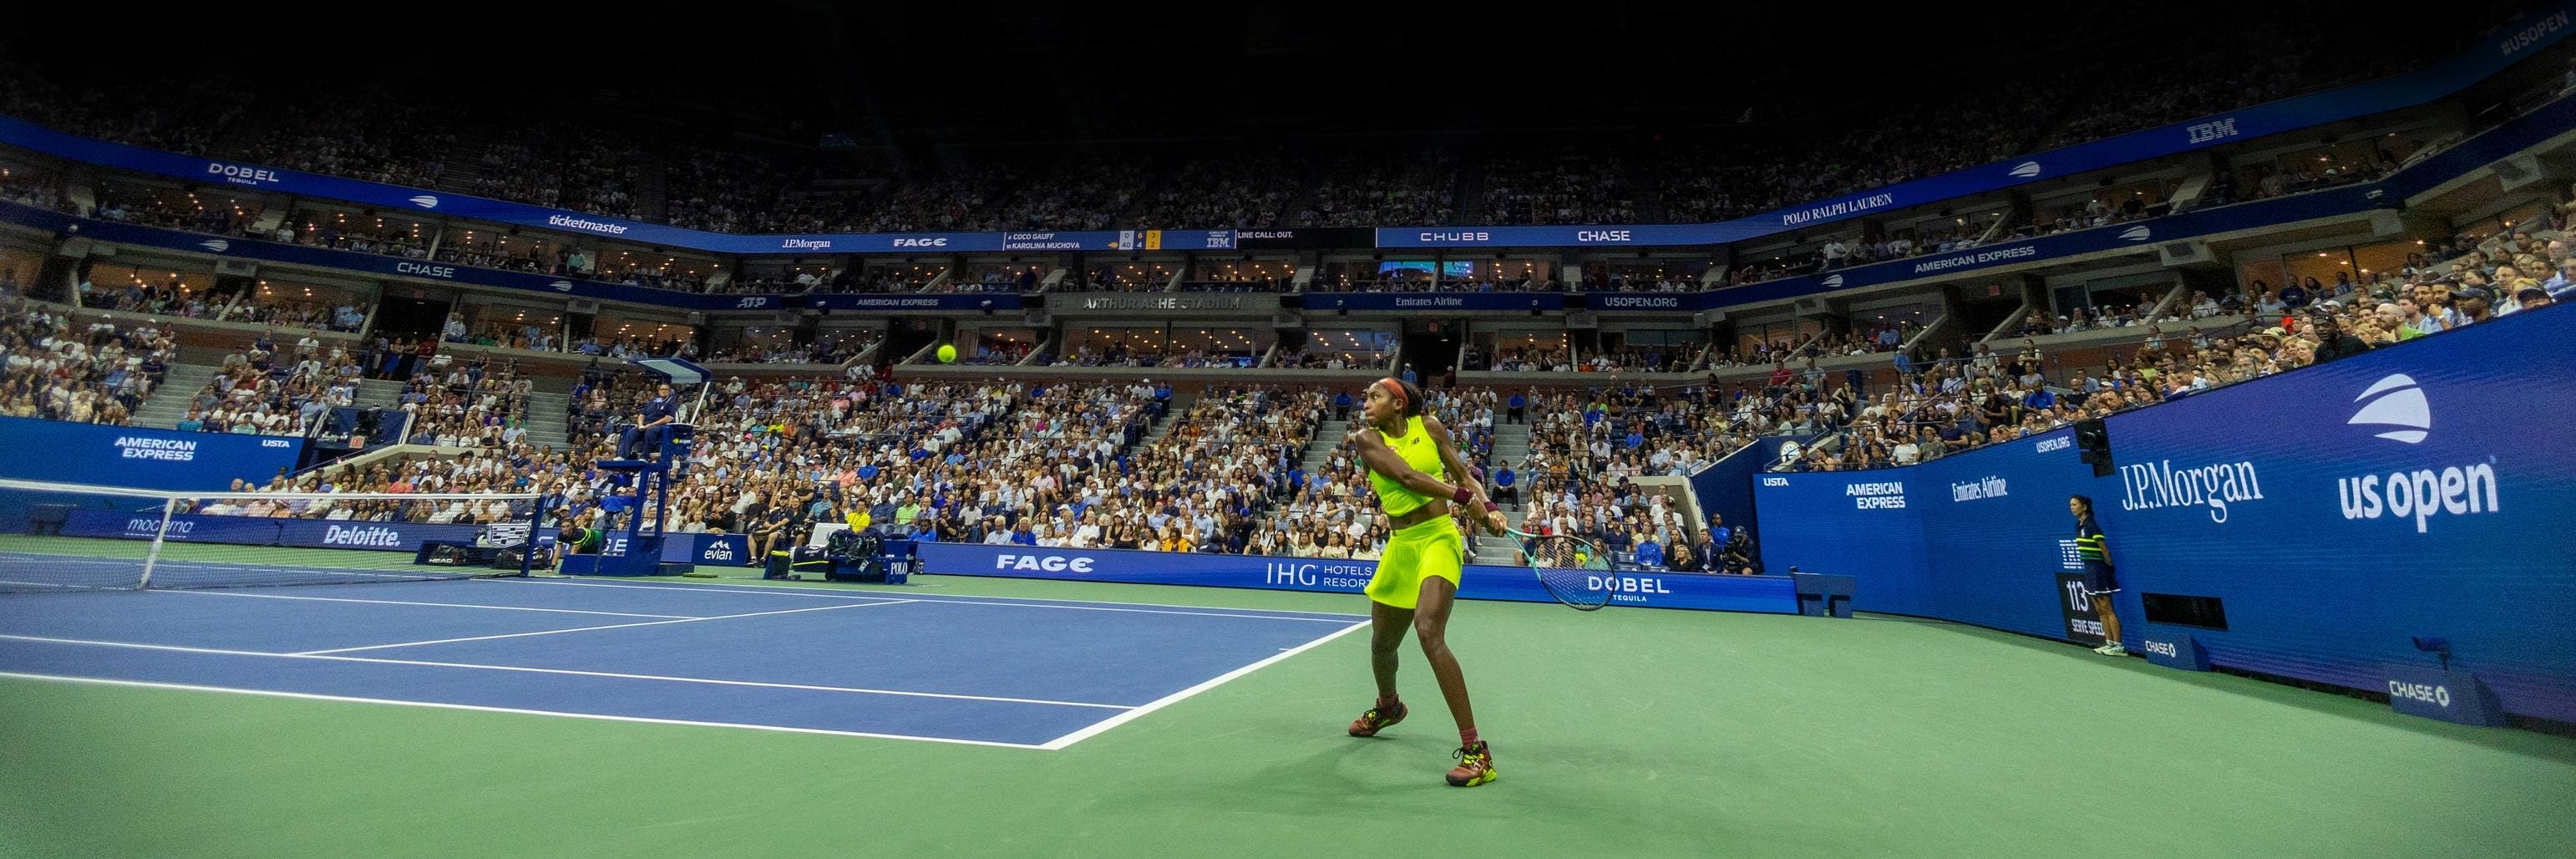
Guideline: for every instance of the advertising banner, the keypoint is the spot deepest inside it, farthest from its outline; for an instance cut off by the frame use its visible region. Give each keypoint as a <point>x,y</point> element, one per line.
<point>2341,511</point>
<point>139,458</point>
<point>2314,524</point>
<point>1772,594</point>
<point>1326,302</point>
<point>265,531</point>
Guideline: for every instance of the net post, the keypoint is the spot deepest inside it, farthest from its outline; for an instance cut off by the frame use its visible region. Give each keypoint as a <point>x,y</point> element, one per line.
<point>168,506</point>
<point>536,525</point>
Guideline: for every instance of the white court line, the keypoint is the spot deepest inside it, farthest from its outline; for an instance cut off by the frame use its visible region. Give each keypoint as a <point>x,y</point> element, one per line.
<point>808,687</point>
<point>209,593</point>
<point>64,586</point>
<point>267,693</point>
<point>1159,703</point>
<point>591,628</point>
<point>823,594</point>
<point>217,566</point>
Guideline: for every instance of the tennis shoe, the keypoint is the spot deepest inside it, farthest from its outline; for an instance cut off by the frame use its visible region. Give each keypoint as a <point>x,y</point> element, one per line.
<point>1377,719</point>
<point>2113,649</point>
<point>1475,766</point>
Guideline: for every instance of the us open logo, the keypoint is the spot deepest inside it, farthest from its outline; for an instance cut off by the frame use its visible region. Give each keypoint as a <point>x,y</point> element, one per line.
<point>2395,401</point>
<point>2025,170</point>
<point>425,201</point>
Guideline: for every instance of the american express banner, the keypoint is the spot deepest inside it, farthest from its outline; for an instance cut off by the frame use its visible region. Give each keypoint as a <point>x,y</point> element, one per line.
<point>1642,589</point>
<point>139,458</point>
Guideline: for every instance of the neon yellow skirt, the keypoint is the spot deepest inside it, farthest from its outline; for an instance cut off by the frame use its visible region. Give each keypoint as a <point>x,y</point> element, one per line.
<point>1425,550</point>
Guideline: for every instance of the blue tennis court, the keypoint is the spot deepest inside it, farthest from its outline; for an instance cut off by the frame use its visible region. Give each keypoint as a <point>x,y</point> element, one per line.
<point>1012,672</point>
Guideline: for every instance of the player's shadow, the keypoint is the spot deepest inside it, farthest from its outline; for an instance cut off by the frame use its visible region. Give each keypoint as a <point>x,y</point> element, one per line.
<point>1373,776</point>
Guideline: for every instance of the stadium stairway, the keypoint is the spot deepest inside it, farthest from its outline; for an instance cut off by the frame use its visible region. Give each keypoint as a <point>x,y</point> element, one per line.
<point>1498,551</point>
<point>1511,447</point>
<point>1328,437</point>
<point>546,419</point>
<point>379,393</point>
<point>168,404</point>
<point>1179,407</point>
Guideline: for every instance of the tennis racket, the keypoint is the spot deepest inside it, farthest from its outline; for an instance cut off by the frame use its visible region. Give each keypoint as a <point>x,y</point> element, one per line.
<point>1569,567</point>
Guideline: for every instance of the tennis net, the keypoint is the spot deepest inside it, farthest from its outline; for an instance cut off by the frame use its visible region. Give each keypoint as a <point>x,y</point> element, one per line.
<point>84,537</point>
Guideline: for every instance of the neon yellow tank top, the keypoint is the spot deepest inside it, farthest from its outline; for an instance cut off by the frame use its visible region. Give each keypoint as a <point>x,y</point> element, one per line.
<point>1418,450</point>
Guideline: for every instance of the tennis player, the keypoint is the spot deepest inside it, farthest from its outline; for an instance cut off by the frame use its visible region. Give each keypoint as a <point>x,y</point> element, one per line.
<point>2099,579</point>
<point>1409,457</point>
<point>577,540</point>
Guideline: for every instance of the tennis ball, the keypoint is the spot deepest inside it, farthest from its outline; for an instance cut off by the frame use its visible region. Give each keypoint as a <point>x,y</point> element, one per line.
<point>947,353</point>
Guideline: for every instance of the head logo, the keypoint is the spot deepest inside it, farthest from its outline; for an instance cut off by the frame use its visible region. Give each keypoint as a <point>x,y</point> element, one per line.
<point>2399,405</point>
<point>1833,281</point>
<point>216,245</point>
<point>425,201</point>
<point>2025,170</point>
<point>561,285</point>
<point>2137,233</point>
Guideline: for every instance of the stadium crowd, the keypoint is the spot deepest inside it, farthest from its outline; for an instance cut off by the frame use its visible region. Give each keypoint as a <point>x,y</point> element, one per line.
<point>1946,405</point>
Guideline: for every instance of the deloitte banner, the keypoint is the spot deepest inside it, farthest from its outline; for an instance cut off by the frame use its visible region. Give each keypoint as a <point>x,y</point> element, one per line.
<point>1771,594</point>
<point>138,458</point>
<point>2307,525</point>
<point>265,531</point>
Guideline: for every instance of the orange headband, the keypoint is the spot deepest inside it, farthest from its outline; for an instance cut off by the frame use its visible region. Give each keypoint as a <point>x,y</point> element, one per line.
<point>1394,390</point>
